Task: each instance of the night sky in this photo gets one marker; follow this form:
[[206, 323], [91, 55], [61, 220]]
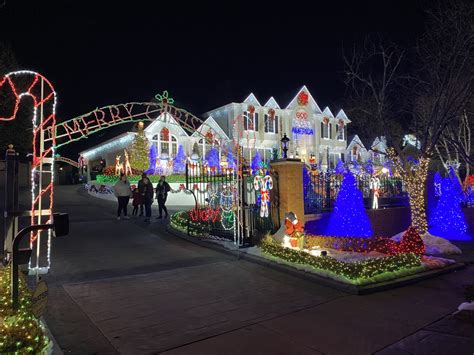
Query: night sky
[[205, 55]]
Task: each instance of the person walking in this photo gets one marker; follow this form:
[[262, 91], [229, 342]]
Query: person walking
[[122, 191], [162, 189], [147, 197], [141, 191]]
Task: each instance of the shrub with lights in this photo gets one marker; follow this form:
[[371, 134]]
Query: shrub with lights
[[20, 331]]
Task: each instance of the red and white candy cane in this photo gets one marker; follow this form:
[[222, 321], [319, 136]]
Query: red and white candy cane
[[28, 83]]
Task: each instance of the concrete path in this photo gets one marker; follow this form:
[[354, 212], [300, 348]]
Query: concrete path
[[126, 287]]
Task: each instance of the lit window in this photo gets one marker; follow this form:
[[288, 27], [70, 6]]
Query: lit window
[[250, 123], [271, 125]]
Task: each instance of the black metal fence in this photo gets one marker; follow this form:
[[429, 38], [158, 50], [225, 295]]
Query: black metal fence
[[321, 188]]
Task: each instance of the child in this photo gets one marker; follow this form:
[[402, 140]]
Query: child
[[136, 201]]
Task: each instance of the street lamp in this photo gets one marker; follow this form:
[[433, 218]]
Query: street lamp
[[285, 141]]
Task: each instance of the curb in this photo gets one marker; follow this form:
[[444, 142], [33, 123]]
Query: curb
[[309, 276], [56, 350]]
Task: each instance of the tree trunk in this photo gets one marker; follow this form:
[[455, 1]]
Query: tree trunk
[[415, 179]]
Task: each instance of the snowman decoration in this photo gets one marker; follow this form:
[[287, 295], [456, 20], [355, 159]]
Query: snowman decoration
[[375, 187], [263, 183]]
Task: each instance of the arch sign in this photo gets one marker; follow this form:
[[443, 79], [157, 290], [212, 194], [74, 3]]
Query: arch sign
[[49, 135]]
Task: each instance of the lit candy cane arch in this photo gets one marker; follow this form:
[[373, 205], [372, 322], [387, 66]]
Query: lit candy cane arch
[[47, 135], [28, 83]]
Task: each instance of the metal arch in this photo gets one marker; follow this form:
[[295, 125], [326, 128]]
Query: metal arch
[[108, 116]]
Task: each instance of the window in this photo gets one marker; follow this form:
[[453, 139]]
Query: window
[[250, 124], [205, 146], [325, 130], [165, 143], [341, 131], [271, 125]]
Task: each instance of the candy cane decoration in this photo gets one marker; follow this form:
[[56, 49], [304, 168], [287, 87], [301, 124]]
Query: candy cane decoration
[[29, 83]]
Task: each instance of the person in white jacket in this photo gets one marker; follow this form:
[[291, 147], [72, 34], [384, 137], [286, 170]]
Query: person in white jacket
[[122, 191]]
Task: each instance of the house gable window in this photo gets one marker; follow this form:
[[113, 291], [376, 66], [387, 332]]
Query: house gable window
[[271, 125], [250, 121], [341, 131], [165, 143], [326, 129]]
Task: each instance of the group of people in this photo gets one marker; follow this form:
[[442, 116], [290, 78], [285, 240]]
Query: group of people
[[142, 196]]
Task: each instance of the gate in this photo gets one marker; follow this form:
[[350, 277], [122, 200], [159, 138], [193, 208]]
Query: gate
[[321, 188], [257, 223]]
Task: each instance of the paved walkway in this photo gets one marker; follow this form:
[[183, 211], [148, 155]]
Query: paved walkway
[[125, 287]]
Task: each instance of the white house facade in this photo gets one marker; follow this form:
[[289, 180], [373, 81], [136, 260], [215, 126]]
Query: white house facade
[[315, 135]]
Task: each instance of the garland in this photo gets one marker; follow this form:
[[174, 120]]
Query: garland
[[351, 270], [411, 243], [20, 331]]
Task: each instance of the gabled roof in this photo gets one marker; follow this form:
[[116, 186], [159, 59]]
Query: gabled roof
[[342, 115], [251, 99], [167, 118], [272, 103], [314, 106], [210, 123], [353, 141], [327, 112]]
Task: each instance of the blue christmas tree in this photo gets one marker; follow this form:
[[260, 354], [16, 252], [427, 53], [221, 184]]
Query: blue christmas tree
[[179, 163], [340, 168], [230, 160], [256, 161], [369, 167], [213, 160], [349, 218], [152, 156], [447, 220]]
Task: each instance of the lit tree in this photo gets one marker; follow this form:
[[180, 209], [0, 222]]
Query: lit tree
[[139, 150], [152, 157], [230, 160], [349, 218], [340, 168], [213, 160], [256, 162], [448, 218], [179, 164]]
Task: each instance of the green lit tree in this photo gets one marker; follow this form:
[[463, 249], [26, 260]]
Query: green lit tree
[[139, 150]]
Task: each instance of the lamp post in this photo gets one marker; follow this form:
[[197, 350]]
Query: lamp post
[[285, 141]]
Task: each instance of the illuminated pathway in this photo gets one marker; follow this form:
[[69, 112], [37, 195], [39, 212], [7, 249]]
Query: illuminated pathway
[[118, 287]]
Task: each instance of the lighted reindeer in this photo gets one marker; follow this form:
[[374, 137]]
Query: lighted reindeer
[[128, 168], [118, 165]]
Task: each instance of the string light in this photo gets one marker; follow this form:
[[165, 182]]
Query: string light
[[28, 83], [355, 272], [20, 331], [413, 174]]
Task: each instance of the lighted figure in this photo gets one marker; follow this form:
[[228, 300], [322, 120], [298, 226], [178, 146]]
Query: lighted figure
[[264, 184], [293, 231], [164, 167], [128, 168], [118, 165], [375, 187]]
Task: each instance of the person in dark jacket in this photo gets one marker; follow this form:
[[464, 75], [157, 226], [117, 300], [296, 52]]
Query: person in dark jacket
[[147, 197], [140, 190], [162, 189]]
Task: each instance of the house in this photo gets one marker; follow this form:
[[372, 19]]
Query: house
[[314, 133]]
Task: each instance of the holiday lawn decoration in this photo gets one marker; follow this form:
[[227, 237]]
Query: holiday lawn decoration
[[128, 168], [139, 150], [118, 165], [263, 183], [294, 229]]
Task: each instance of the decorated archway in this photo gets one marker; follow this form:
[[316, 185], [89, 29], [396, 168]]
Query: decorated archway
[[48, 136]]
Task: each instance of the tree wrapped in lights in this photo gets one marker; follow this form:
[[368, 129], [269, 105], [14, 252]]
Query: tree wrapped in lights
[[447, 220], [179, 162], [413, 173], [349, 218], [139, 150], [340, 168]]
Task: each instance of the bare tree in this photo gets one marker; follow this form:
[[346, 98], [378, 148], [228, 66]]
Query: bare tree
[[439, 87], [372, 75]]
